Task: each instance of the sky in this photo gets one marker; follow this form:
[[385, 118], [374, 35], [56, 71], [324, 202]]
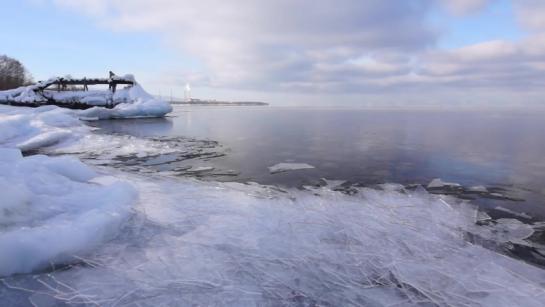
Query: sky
[[401, 53]]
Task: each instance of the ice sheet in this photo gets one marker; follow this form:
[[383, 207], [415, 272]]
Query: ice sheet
[[249, 245]]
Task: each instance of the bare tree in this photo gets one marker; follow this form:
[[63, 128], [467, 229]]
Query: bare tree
[[12, 73]]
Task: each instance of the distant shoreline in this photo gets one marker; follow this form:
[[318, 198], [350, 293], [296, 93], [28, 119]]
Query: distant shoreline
[[220, 103]]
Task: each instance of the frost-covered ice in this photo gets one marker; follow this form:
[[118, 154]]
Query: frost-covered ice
[[284, 167], [54, 208], [249, 245]]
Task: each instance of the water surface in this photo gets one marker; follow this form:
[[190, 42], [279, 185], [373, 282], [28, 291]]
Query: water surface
[[502, 150]]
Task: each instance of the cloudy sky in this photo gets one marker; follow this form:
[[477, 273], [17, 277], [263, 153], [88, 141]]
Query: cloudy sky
[[294, 52]]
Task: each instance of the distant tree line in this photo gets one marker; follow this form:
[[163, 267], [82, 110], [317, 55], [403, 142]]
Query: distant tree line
[[12, 73]]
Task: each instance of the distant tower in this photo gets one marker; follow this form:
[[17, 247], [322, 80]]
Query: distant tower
[[187, 92]]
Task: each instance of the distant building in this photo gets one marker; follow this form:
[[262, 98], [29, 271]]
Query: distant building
[[187, 93]]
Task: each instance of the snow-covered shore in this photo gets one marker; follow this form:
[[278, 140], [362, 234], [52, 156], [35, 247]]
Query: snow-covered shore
[[184, 242]]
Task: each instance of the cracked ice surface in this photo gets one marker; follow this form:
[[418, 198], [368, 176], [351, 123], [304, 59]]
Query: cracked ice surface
[[191, 242]]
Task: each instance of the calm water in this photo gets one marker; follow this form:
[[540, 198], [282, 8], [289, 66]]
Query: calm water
[[498, 149]]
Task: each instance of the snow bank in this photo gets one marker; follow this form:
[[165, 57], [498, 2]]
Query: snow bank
[[284, 167], [51, 208], [24, 94], [30, 129], [54, 208], [133, 102]]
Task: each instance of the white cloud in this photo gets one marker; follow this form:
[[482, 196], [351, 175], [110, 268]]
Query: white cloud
[[350, 46], [460, 7], [276, 44], [531, 13]]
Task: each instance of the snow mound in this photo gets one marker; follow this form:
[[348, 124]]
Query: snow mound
[[284, 167], [134, 102], [30, 129], [54, 208], [25, 94]]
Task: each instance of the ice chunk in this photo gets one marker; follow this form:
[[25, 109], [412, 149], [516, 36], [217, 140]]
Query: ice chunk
[[45, 139], [519, 214], [503, 231], [40, 127], [202, 169], [283, 167], [483, 216], [438, 183], [50, 211], [478, 189], [332, 184]]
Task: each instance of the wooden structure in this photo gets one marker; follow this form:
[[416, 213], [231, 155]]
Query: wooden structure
[[63, 83], [44, 89]]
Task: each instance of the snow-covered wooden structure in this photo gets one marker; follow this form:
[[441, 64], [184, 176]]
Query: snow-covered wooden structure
[[70, 92]]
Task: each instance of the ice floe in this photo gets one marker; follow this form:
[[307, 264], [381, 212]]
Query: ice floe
[[284, 167]]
